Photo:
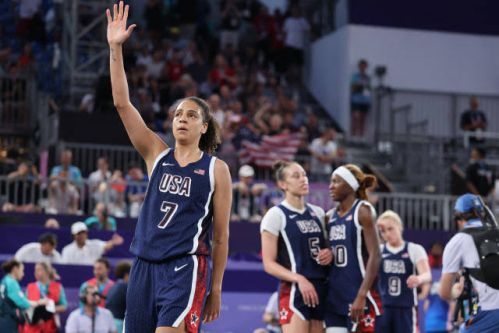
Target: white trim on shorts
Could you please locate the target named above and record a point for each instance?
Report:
(184, 313)
(336, 330)
(293, 267)
(414, 319)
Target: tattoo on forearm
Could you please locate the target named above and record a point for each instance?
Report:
(113, 58)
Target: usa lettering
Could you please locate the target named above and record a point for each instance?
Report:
(308, 226)
(394, 266)
(175, 184)
(337, 232)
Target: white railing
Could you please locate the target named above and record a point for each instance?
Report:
(418, 211)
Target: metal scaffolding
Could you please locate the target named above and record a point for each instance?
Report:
(85, 51)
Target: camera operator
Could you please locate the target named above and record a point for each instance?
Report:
(90, 318)
(461, 252)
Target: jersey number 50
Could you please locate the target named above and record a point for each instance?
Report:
(169, 208)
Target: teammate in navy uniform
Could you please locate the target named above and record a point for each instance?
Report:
(353, 300)
(171, 288)
(295, 251)
(400, 260)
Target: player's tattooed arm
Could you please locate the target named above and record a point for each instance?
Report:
(147, 143)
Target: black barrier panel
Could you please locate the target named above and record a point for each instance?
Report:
(474, 17)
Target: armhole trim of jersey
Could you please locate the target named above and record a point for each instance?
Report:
(158, 158)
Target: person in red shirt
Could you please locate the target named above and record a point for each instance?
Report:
(175, 68)
(222, 73)
(45, 287)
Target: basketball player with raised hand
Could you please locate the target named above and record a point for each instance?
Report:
(171, 288)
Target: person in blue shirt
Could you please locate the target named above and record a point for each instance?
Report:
(12, 299)
(73, 172)
(101, 219)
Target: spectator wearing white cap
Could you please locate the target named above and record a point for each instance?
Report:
(245, 195)
(84, 251)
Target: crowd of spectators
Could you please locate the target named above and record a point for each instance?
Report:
(249, 73)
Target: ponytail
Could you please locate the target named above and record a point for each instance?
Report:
(366, 181)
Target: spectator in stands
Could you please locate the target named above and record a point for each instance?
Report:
(23, 189)
(271, 197)
(153, 15)
(101, 175)
(73, 172)
(44, 318)
(474, 120)
(313, 127)
(100, 280)
(116, 298)
(323, 150)
(218, 112)
(101, 219)
(118, 185)
(271, 316)
(245, 194)
(296, 30)
(89, 319)
(222, 73)
(480, 177)
(230, 24)
(13, 302)
(42, 251)
(360, 99)
(84, 251)
(135, 189)
(52, 223)
(63, 195)
(30, 20)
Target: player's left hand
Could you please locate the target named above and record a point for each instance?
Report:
(325, 257)
(413, 281)
(357, 309)
(212, 308)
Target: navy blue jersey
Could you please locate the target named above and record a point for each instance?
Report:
(300, 240)
(395, 269)
(176, 215)
(350, 258)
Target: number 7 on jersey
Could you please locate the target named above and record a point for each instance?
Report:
(169, 208)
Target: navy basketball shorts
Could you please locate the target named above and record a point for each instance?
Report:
(398, 319)
(366, 324)
(167, 294)
(291, 302)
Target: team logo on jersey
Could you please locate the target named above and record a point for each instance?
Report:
(308, 226)
(199, 172)
(338, 232)
(349, 217)
(394, 266)
(194, 319)
(175, 184)
(405, 255)
(284, 314)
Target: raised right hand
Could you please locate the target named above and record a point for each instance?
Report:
(307, 289)
(117, 32)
